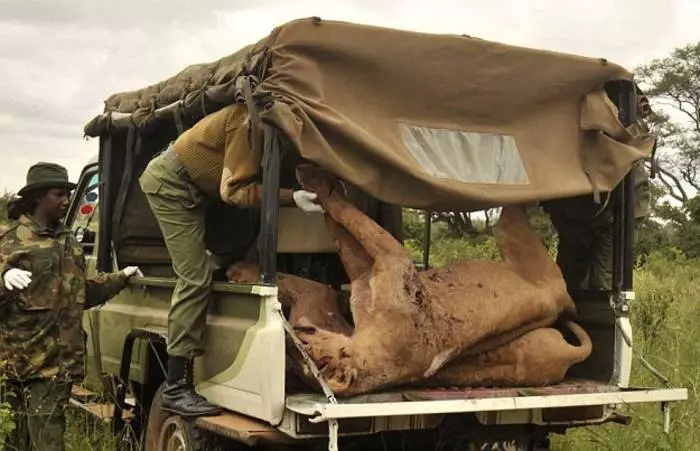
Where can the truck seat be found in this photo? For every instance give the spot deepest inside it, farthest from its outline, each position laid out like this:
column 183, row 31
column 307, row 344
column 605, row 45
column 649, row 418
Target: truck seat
column 302, row 233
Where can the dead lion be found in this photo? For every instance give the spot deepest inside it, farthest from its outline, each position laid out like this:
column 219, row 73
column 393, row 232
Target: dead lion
column 410, row 324
column 538, row 358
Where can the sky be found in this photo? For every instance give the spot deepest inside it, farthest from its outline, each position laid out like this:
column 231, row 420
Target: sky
column 59, row 60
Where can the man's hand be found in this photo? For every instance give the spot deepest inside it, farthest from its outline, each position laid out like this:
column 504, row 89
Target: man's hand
column 307, row 201
column 16, row 278
column 131, row 271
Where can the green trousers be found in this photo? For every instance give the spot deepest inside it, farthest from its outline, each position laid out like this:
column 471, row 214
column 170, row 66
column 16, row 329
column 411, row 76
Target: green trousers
column 180, row 208
column 585, row 259
column 585, row 251
column 38, row 409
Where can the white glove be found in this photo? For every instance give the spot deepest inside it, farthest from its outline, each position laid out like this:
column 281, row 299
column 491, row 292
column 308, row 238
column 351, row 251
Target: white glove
column 132, row 271
column 17, row 278
column 306, row 201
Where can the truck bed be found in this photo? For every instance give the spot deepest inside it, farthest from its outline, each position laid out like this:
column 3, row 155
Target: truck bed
column 570, row 393
column 243, row 371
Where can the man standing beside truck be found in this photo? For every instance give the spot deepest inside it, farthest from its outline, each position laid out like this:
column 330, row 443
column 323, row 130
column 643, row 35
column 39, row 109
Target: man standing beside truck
column 44, row 291
column 211, row 160
column 586, row 229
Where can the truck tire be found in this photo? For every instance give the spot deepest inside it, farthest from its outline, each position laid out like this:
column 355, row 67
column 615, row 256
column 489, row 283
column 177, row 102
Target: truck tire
column 176, row 434
column 155, row 422
column 167, row 432
column 514, row 445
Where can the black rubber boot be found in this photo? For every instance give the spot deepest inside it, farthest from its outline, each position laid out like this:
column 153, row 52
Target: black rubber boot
column 179, row 396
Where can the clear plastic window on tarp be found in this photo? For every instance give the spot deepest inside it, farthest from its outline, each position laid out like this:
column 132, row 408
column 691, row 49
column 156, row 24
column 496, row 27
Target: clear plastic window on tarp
column 470, row 157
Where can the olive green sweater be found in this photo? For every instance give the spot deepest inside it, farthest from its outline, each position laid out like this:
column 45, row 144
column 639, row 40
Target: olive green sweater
column 216, row 154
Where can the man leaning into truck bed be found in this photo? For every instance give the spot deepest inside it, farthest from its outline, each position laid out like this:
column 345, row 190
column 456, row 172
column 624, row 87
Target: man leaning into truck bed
column 212, row 159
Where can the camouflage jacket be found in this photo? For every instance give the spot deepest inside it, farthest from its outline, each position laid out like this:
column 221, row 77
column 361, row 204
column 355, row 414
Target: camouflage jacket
column 41, row 333
column 581, row 215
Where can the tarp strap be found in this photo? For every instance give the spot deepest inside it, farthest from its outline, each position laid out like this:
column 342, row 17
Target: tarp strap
column 596, row 193
column 133, row 142
column 139, row 143
column 654, row 164
column 596, row 190
column 203, row 100
column 256, row 125
column 251, row 62
column 177, row 115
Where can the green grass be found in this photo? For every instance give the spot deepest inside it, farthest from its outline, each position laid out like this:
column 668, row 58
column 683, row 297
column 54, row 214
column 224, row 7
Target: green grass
column 6, row 423
column 83, row 432
column 665, row 319
column 86, row 433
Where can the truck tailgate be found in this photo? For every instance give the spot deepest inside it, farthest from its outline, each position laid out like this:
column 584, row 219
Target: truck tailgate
column 438, row 401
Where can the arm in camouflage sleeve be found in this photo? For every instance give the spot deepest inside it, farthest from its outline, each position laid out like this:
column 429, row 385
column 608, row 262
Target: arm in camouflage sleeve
column 4, row 267
column 103, row 287
column 9, row 253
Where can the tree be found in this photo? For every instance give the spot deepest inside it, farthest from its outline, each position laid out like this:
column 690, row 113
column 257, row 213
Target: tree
column 4, row 199
column 462, row 224
column 689, row 230
column 673, row 85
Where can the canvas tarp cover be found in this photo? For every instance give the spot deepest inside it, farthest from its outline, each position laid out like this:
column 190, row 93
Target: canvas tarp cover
column 216, row 79
column 444, row 121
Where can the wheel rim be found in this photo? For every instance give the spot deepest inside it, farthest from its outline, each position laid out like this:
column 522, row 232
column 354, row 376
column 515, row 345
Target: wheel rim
column 173, row 436
column 128, row 439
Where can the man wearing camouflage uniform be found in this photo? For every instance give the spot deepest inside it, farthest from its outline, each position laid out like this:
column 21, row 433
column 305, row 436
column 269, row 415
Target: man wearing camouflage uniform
column 586, row 229
column 586, row 232
column 42, row 297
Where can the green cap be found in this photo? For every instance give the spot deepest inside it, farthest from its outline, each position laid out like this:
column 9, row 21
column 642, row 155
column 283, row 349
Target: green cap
column 46, row 175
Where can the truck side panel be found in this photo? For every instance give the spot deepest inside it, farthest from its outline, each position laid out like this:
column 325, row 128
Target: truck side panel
column 242, row 326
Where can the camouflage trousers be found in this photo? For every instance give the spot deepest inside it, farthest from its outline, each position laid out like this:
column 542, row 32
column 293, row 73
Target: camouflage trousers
column 585, row 253
column 38, row 409
column 180, row 208
column 585, row 259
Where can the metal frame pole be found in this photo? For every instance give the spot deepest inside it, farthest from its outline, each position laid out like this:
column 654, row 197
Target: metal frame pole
column 426, row 240
column 104, row 262
column 270, row 205
column 624, row 198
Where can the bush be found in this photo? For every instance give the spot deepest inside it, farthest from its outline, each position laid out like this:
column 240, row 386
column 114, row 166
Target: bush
column 7, row 425
column 4, row 199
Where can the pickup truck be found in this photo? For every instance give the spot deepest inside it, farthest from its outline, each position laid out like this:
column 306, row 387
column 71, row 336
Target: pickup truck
column 247, row 334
